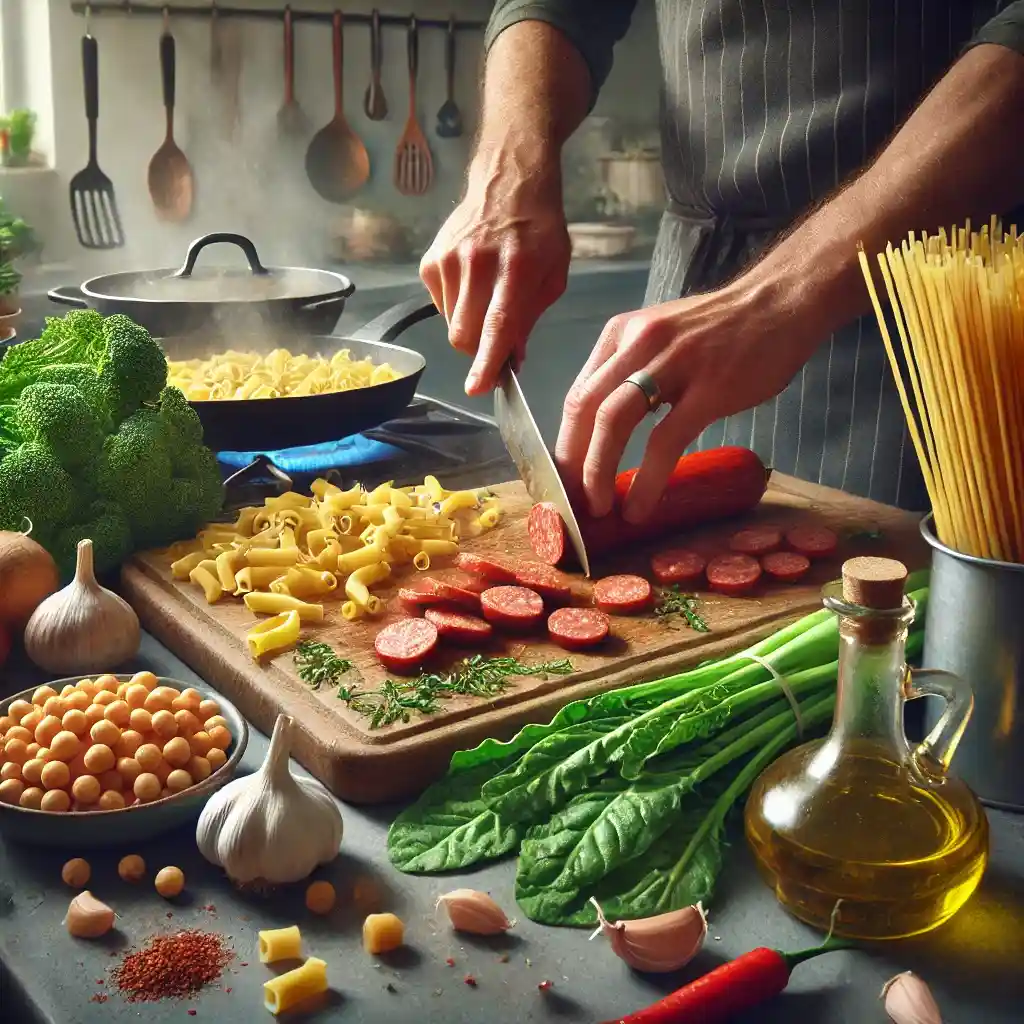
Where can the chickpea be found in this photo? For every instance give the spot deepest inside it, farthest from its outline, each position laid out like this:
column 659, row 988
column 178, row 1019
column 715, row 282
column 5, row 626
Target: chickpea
column 216, row 757
column 146, row 679
column 104, row 697
column 18, row 710
column 99, row 758
column 74, row 721
column 16, row 751
column 111, row 800
column 54, row 706
column 55, row 801
column 320, row 897
column 147, row 787
column 86, row 789
column 42, row 694
column 131, row 868
column 32, row 798
column 11, row 791
column 157, row 701
column 129, row 742
column 76, row 873
column 135, row 696
column 178, row 780
column 200, row 743
column 177, row 752
column 207, row 709
column 32, row 771
column 169, row 881
column 198, row 767
column 118, row 712
column 108, row 683
column 105, row 732
column 93, row 714
column 215, row 720
column 129, row 769
column 111, row 780
column 164, row 725
column 64, row 745
column 49, row 727
column 31, row 720
column 141, row 721
column 55, row 775
column 149, row 755
column 187, row 723
column 11, row 770
column 77, row 701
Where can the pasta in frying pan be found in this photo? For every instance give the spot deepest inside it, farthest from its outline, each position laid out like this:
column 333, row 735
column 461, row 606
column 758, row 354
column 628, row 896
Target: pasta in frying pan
column 234, row 376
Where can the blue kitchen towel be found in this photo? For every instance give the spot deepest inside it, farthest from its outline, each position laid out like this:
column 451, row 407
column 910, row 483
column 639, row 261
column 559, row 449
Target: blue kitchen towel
column 347, row 453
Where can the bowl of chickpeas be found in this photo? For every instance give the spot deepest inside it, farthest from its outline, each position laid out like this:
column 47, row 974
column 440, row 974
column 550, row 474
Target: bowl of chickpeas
column 113, row 758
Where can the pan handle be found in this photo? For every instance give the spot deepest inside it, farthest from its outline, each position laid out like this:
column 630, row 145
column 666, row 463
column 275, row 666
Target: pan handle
column 396, row 320
column 68, row 295
column 243, row 243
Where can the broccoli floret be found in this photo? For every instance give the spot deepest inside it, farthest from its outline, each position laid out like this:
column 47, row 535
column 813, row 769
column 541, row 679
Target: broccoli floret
column 34, row 485
column 108, row 529
column 87, row 380
column 134, row 370
column 182, row 420
column 198, row 490
column 61, row 417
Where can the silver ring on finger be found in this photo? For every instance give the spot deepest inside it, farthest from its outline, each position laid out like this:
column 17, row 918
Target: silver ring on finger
column 648, row 387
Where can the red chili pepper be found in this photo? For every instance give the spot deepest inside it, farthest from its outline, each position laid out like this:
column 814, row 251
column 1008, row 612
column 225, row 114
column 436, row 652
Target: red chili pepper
column 727, row 990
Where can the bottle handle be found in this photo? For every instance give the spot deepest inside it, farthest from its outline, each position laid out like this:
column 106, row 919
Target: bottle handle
column 935, row 753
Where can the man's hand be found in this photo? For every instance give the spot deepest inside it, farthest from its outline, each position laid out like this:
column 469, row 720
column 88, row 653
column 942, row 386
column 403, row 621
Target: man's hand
column 497, row 263
column 711, row 356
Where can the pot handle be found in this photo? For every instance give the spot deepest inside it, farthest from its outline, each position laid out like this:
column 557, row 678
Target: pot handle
column 396, row 320
column 68, row 295
column 243, row 243
column 333, row 299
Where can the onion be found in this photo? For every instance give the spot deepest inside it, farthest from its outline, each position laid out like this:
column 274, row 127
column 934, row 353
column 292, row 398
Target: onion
column 28, row 575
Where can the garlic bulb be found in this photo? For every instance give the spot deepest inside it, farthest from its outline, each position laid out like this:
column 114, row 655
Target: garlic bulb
column 88, row 917
column 83, row 628
column 908, row 1000
column 474, row 912
column 270, row 826
column 656, row 944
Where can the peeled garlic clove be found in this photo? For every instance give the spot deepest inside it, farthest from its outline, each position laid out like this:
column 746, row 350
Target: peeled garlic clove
column 88, row 917
column 656, row 944
column 474, row 912
column 908, row 1000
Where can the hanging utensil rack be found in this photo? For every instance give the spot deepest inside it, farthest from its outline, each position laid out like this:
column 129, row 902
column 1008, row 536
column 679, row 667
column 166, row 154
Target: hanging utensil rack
column 131, row 7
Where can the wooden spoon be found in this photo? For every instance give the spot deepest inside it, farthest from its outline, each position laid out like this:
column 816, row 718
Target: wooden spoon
column 170, row 176
column 414, row 166
column 291, row 118
column 337, row 163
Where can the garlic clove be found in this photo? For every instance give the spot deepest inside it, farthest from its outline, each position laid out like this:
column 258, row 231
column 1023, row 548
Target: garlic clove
column 88, row 917
column 657, row 944
column 475, row 912
column 908, row 1000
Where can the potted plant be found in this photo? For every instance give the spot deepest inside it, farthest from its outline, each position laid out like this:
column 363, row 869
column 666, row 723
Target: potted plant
column 20, row 126
column 10, row 279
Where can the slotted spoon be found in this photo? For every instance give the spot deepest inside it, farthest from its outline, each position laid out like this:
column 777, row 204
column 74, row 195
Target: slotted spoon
column 93, row 207
column 414, row 166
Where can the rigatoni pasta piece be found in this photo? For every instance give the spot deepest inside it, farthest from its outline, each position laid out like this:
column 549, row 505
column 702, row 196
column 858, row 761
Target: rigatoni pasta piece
column 279, row 944
column 304, row 583
column 281, row 557
column 358, row 583
column 228, row 563
column 183, row 566
column 272, row 604
column 367, row 555
column 273, row 635
column 201, row 576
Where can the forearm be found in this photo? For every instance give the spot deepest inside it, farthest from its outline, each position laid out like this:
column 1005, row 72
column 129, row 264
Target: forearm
column 953, row 159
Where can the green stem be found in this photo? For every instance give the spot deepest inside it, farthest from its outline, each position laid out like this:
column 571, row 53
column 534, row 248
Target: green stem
column 830, row 945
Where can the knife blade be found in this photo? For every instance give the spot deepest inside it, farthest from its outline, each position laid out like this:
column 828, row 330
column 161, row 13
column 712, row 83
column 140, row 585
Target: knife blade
column 536, row 467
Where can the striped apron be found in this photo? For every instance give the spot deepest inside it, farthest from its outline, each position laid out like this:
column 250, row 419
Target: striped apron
column 768, row 105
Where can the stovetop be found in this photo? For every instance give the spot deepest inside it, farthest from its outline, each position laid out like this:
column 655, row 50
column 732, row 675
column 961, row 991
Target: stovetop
column 459, row 447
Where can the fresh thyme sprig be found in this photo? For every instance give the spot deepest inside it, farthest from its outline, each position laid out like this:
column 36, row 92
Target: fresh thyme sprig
column 318, row 664
column 671, row 601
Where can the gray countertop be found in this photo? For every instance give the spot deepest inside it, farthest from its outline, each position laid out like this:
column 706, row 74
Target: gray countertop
column 972, row 963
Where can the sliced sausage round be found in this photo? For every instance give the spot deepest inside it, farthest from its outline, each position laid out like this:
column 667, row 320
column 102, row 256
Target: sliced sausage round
column 405, row 645
column 677, row 565
column 756, row 540
column 576, row 629
column 547, row 533
column 813, row 541
column 457, row 594
column 786, row 566
column 623, row 595
column 733, row 574
column 494, row 569
column 548, row 582
column 458, row 626
column 419, row 592
column 512, row 607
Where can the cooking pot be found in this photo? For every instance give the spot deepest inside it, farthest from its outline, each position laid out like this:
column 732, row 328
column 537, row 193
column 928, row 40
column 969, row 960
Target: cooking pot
column 170, row 302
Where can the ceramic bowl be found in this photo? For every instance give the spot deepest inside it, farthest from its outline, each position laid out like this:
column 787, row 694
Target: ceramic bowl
column 93, row 829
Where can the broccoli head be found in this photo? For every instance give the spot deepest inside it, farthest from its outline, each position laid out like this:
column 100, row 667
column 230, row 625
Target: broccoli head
column 197, row 494
column 86, row 379
column 134, row 370
column 108, row 529
column 61, row 417
column 34, row 485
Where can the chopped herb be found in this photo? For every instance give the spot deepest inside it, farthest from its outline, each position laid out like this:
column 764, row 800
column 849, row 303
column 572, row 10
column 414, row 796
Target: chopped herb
column 318, row 664
column 671, row 601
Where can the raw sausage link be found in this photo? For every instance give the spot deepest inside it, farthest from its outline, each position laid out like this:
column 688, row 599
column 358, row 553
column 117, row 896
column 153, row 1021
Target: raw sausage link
column 787, row 566
column 547, row 533
column 677, row 565
column 405, row 645
column 493, row 569
column 548, row 582
column 813, row 541
column 623, row 595
column 457, row 626
column 756, row 540
column 733, row 574
column 512, row 607
column 577, row 628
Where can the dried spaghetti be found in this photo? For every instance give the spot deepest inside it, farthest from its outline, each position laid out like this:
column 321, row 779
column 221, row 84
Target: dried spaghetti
column 957, row 302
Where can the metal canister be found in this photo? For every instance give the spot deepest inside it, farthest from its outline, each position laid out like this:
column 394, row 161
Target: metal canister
column 975, row 628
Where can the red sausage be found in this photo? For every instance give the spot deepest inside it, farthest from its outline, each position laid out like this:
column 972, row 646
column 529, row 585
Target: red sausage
column 512, row 607
column 458, row 627
column 548, row 582
column 813, row 541
column 756, row 540
column 623, row 595
column 405, row 645
column 677, row 565
column 786, row 566
column 704, row 486
column 457, row 594
column 420, row 592
column 577, row 628
column 733, row 574
column 493, row 569
column 547, row 533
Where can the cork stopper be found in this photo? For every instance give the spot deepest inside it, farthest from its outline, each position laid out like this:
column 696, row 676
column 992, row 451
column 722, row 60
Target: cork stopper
column 874, row 582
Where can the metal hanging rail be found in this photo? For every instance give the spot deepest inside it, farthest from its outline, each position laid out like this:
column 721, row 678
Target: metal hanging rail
column 131, row 7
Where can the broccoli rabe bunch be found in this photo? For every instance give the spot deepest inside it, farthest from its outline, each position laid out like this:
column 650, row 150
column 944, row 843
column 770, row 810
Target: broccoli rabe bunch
column 94, row 444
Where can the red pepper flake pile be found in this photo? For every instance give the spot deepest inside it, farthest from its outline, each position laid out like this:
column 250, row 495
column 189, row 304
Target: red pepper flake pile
column 99, row 998
column 172, row 966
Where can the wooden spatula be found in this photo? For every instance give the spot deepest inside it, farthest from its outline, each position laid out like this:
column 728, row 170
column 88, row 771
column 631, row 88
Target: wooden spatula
column 170, row 175
column 414, row 166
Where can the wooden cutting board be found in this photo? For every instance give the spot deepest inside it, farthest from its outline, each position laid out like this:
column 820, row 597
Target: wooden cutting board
column 366, row 765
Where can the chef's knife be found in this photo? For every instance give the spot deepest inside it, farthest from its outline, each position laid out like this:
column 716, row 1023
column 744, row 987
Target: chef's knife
column 537, row 468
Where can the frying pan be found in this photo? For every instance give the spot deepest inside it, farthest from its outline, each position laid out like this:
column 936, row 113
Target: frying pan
column 169, row 302
column 268, row 424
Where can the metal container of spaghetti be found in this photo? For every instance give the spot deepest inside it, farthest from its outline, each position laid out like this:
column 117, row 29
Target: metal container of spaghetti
column 975, row 629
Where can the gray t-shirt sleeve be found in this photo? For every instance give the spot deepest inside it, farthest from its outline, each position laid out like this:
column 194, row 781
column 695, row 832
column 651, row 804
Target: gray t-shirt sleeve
column 592, row 26
column 1004, row 29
